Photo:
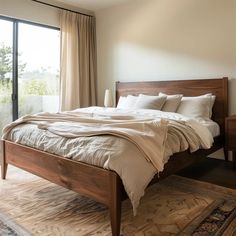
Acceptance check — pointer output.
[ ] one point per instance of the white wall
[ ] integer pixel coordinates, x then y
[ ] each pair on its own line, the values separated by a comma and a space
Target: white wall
167, 39
31, 11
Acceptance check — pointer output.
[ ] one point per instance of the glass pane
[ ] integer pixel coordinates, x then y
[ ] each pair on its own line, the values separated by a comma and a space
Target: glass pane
6, 32
38, 69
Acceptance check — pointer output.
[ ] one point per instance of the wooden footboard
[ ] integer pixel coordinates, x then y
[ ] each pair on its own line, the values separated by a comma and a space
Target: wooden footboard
99, 184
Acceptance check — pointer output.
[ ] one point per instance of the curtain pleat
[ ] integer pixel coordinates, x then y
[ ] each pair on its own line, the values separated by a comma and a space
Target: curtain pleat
78, 61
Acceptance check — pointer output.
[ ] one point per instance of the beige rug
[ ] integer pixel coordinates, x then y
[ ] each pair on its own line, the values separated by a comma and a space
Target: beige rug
175, 206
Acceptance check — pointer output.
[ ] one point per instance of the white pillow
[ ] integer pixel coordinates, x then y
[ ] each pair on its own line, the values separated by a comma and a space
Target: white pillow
150, 102
172, 102
131, 101
127, 102
196, 107
213, 98
121, 102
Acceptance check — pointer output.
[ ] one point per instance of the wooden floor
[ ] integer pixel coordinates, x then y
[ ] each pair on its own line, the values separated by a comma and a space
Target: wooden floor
213, 171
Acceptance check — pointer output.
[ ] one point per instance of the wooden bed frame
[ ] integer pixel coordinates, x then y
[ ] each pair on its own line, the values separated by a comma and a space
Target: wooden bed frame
105, 186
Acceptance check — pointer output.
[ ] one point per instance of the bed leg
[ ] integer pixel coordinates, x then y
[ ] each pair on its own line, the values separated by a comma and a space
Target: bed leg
4, 171
3, 160
115, 205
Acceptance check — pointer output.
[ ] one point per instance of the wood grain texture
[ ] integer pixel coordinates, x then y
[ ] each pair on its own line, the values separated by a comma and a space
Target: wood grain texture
230, 136
90, 181
115, 204
99, 184
103, 185
3, 160
230, 126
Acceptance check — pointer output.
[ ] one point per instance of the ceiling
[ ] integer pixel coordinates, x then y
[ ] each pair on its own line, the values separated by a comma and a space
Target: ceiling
92, 5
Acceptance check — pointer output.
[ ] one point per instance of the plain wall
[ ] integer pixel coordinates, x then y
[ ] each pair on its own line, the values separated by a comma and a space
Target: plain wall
30, 11
167, 40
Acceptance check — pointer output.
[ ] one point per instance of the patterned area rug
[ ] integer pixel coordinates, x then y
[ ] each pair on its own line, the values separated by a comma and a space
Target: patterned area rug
175, 206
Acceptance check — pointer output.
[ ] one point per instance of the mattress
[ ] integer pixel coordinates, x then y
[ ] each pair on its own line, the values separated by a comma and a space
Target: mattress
212, 126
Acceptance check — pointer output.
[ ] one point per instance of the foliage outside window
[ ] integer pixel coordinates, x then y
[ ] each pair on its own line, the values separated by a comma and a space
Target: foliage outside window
38, 85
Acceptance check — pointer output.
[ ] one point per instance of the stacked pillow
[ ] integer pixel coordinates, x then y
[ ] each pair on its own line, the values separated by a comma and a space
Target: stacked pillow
197, 107
172, 102
150, 102
141, 102
127, 102
194, 107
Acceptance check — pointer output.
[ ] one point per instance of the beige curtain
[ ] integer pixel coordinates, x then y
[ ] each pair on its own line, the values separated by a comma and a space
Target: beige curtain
78, 61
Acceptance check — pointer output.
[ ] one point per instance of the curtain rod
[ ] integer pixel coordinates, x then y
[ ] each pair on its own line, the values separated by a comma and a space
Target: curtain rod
62, 8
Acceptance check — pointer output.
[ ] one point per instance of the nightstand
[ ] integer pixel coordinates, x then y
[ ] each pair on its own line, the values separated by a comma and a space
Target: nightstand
230, 136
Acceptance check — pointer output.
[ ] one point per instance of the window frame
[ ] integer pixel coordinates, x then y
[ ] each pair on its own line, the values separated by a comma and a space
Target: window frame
15, 25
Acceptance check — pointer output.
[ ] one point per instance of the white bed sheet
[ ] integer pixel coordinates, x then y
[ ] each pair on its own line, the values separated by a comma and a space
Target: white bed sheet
212, 126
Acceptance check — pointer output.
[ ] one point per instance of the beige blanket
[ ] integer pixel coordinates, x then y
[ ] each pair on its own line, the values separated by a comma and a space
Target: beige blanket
149, 135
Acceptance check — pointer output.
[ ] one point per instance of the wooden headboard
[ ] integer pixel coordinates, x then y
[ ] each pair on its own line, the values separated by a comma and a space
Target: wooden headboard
218, 87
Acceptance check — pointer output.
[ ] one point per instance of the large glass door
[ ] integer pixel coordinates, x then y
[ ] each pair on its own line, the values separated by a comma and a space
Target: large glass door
38, 69
6, 55
29, 69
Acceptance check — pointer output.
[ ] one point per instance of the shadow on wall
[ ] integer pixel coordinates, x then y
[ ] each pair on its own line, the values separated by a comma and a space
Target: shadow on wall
198, 29
166, 39
134, 63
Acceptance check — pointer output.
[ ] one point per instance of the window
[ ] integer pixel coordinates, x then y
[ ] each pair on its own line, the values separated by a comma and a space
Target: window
29, 69
6, 31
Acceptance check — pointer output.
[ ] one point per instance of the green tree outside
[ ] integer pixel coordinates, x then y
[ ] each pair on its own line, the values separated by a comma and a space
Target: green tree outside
5, 64
31, 83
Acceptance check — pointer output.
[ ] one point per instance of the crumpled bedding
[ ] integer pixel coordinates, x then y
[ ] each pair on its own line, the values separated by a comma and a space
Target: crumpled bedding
136, 145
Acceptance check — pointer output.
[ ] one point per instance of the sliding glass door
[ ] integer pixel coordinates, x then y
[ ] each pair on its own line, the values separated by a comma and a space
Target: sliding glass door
29, 69
6, 42
38, 69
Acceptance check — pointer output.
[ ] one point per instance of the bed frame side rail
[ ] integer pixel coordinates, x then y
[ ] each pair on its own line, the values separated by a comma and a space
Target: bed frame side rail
91, 181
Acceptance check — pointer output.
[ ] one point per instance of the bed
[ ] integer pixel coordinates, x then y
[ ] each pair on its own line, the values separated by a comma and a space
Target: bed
103, 185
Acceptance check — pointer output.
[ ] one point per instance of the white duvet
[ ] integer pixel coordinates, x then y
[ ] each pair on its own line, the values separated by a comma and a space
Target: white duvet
134, 143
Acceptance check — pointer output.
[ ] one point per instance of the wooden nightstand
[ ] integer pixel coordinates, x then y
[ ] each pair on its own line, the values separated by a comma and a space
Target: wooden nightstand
230, 136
